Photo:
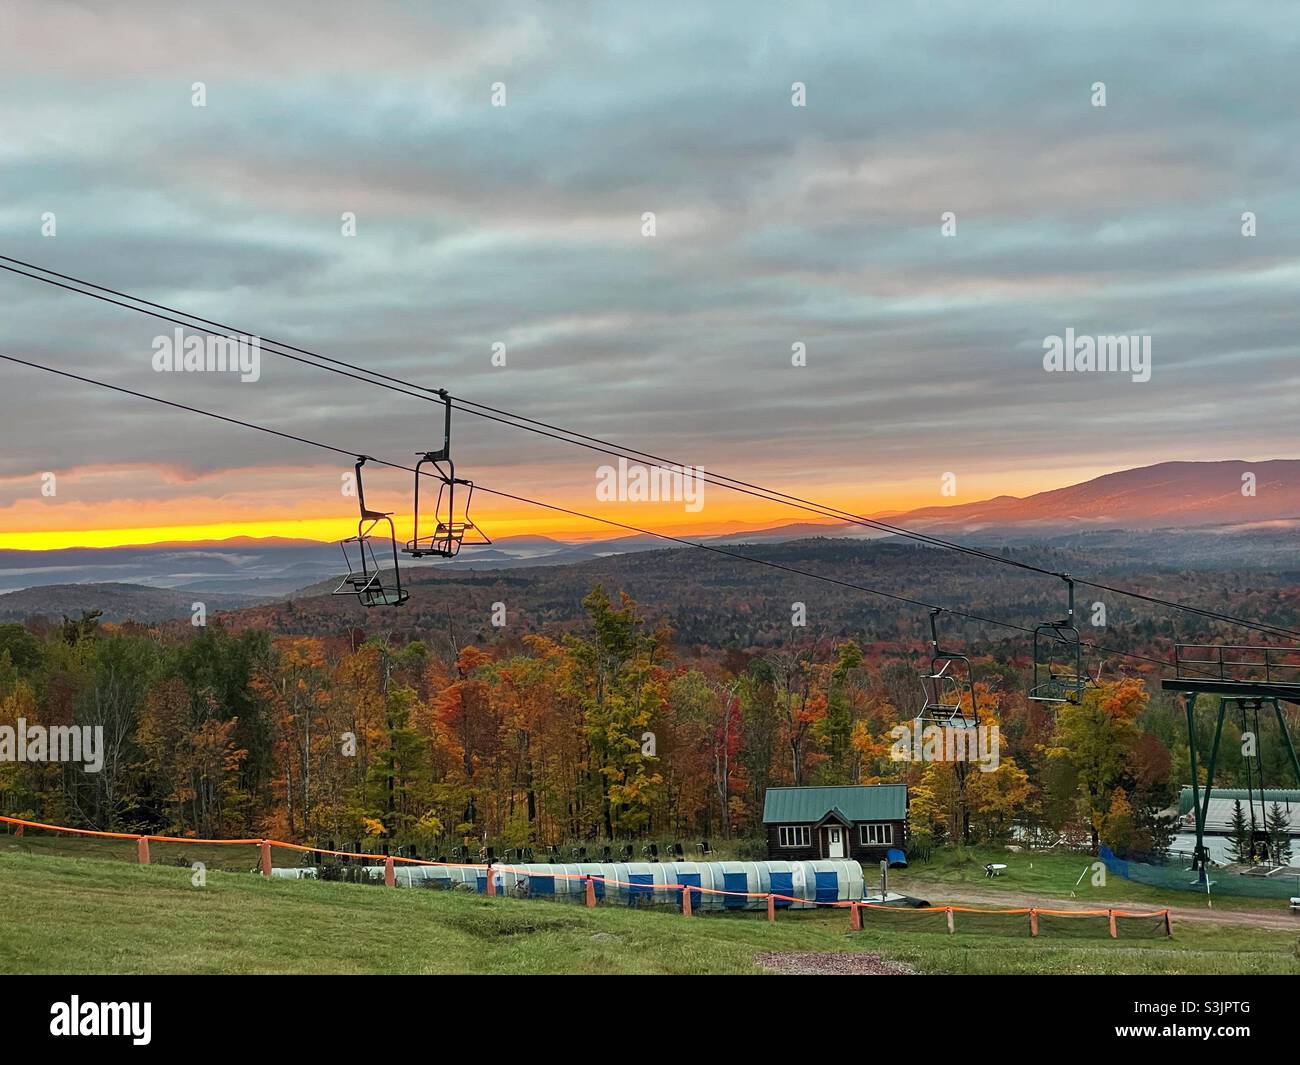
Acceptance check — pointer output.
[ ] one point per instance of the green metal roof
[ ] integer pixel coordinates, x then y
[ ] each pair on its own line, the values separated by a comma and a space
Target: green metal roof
861, 802
1271, 795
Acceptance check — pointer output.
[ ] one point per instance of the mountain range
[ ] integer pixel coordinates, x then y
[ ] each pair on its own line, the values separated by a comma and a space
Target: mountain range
1208, 513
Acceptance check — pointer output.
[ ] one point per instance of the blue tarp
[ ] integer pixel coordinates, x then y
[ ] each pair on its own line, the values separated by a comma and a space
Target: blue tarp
643, 887
896, 857
688, 881
828, 887
735, 882
783, 884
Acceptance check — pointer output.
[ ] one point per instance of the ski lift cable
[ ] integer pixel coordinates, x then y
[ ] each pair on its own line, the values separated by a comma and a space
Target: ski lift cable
514, 420
542, 428
352, 453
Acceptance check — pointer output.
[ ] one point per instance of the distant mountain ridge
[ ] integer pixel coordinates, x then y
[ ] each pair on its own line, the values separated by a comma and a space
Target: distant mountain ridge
1179, 496
1166, 495
116, 602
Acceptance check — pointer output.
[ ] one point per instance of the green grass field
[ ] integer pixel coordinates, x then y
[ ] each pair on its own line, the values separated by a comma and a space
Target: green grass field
91, 915
1050, 874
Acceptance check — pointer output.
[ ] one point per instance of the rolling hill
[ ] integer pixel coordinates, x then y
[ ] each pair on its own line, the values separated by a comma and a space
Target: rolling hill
1167, 495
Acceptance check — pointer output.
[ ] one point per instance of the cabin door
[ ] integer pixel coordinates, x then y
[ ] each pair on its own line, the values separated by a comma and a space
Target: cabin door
834, 841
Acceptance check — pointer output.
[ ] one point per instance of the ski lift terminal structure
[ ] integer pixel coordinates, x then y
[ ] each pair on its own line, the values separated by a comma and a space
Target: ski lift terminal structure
1245, 678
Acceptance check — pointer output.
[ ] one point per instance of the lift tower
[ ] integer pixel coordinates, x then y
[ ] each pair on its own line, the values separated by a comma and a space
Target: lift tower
1245, 678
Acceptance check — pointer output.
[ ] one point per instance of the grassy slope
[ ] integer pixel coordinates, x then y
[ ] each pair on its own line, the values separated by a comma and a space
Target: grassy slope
90, 915
1041, 874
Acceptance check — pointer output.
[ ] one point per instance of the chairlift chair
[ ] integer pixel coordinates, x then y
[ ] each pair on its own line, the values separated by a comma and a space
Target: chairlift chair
1059, 676
364, 579
450, 521
949, 687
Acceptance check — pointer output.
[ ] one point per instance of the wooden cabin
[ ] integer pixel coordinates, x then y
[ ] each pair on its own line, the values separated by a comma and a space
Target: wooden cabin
862, 821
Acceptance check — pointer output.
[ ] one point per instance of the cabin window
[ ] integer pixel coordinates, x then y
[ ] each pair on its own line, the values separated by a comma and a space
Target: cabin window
877, 835
794, 836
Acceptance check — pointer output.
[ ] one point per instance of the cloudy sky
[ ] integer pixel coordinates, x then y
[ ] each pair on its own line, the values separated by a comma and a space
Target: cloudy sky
522, 225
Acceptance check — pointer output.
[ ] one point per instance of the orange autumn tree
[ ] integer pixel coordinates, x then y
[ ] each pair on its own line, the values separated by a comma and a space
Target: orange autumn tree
467, 744
296, 686
192, 751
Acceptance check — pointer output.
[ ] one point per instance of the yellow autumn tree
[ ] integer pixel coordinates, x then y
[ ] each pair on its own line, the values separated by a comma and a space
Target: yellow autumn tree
997, 798
1097, 737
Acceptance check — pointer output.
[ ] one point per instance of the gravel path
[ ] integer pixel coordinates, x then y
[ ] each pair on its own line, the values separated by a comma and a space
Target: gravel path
814, 963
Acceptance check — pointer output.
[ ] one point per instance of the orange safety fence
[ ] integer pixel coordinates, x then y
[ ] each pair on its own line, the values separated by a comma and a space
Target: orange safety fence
856, 908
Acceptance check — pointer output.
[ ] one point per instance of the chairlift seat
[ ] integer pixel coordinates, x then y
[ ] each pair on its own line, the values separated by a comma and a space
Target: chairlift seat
944, 688
450, 519
364, 579
1061, 688
1059, 676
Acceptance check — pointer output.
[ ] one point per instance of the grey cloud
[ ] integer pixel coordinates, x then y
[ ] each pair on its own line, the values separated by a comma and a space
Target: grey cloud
776, 224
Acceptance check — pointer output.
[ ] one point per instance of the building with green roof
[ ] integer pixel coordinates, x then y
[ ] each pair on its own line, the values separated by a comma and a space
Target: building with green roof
862, 821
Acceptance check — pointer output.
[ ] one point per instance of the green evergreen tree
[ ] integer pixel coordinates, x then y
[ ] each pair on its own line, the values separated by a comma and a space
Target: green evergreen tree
1278, 825
1239, 841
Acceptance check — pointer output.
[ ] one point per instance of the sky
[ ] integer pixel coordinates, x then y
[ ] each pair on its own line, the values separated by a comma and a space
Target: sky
524, 225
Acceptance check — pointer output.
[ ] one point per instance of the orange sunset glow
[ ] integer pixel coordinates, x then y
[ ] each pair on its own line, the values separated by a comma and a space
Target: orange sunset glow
266, 510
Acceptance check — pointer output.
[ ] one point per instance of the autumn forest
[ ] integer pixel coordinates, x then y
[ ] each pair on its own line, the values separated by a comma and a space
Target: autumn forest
605, 733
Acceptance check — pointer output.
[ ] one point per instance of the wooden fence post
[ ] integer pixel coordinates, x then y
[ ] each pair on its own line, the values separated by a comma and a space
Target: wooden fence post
591, 892
491, 882
1033, 922
1169, 929
855, 917
142, 850
1114, 932
686, 902
771, 907
266, 857
948, 911
390, 875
